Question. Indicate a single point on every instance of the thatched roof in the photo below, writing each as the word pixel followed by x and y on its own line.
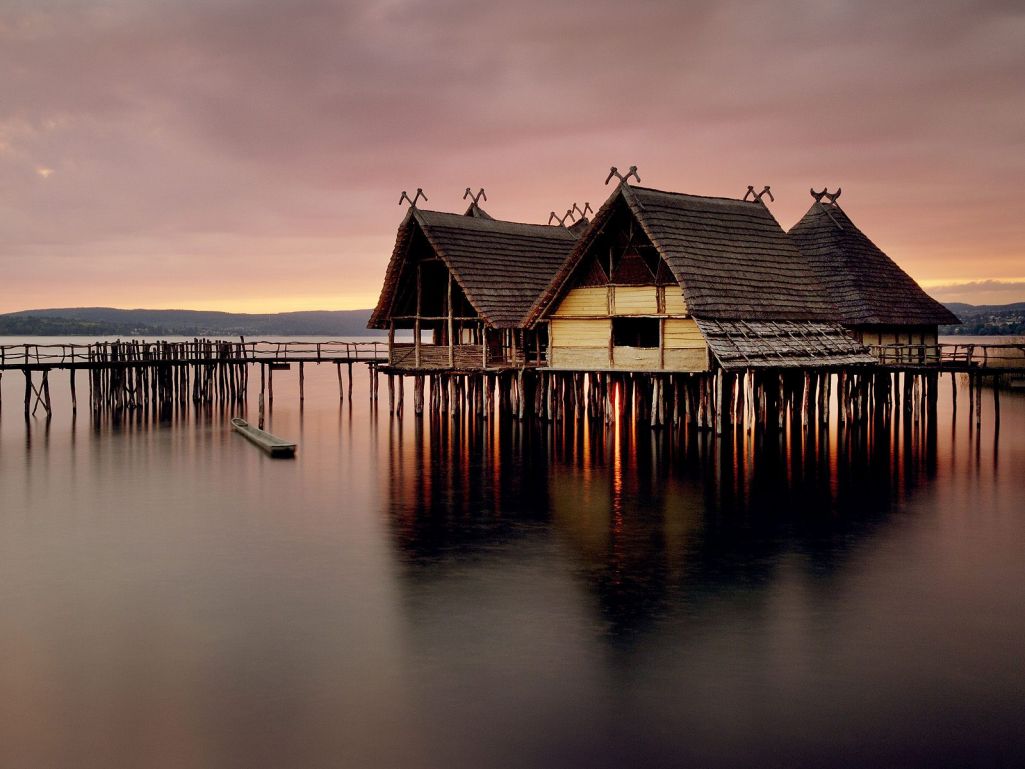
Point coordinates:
pixel 865 284
pixel 501 267
pixel 784 344
pixel 731 257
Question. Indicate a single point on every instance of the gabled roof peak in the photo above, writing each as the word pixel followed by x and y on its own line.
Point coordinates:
pixel 868 287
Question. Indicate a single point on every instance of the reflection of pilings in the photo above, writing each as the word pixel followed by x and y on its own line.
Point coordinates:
pixel 641 508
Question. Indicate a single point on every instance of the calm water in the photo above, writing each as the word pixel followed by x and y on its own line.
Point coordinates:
pixel 418 594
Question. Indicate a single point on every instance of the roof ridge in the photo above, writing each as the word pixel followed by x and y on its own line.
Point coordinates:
pixel 479 222
pixel 691 195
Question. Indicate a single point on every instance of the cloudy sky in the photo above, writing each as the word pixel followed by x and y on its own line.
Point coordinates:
pixel 249 154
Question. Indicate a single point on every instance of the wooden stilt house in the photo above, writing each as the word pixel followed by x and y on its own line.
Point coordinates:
pixel 876 300
pixel 463 284
pixel 668 282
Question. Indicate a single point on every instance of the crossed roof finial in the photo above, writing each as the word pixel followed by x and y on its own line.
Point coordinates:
pixel 475 198
pixel 412 201
pixel 756 197
pixel 623 178
pixel 560 219
pixel 582 211
pixel 829 197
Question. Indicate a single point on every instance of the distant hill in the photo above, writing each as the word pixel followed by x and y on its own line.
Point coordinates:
pixel 987 319
pixel 979 320
pixel 102 321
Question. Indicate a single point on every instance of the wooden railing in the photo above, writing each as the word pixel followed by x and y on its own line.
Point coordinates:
pixel 195 350
pixel 464 356
pixel 1002 356
pixel 959 356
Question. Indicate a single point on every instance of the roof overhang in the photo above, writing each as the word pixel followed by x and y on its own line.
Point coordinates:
pixel 738 345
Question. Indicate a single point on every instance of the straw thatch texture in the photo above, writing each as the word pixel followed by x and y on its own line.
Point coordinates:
pixel 501 267
pixel 783 344
pixel 867 286
pixel 731 257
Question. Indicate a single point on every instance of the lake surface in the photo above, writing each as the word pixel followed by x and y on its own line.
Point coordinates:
pixel 437 593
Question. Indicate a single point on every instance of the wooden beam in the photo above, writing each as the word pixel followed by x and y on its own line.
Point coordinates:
pixel 661 343
pixel 451 326
pixel 416 321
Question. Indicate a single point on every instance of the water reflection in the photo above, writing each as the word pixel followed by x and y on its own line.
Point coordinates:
pixel 649 519
pixel 459 593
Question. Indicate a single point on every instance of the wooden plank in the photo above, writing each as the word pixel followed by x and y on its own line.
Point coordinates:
pixel 683 333
pixel 636 300
pixel 675 304
pixel 583 301
pixel 636 358
pixel 580 333
pixel 578 358
pixel 688 360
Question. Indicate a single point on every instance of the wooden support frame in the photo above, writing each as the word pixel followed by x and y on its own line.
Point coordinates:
pixel 451 325
pixel 416 321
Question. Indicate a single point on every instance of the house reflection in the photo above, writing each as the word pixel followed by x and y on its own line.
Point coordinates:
pixel 648 523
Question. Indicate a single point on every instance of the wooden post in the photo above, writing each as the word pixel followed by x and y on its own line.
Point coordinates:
pixel 662 343
pixel 302 384
pixel 416 321
pixel 46 392
pixel 978 403
pixel 996 402
pixel 341 388
pixel 451 325
pixel 74 395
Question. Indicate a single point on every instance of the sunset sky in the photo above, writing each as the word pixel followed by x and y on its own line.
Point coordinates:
pixel 248 155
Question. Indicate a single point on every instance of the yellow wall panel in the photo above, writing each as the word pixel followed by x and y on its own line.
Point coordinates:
pixel 581 333
pixel 683 333
pixel 686 360
pixel 584 301
pixel 635 358
pixel 579 358
pixel 635 300
pixel 675 303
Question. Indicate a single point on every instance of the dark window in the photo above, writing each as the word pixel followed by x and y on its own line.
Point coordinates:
pixel 635 332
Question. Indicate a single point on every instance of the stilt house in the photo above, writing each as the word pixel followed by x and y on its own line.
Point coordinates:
pixel 464 285
pixel 876 300
pixel 663 281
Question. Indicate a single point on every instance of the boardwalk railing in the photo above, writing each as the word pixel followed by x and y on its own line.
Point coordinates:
pixel 962 357
pixel 70 355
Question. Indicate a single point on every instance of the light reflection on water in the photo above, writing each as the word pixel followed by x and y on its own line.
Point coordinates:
pixel 444 592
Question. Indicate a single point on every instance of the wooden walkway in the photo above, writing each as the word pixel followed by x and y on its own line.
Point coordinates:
pixel 1006 358
pixel 136 374
pixel 38 357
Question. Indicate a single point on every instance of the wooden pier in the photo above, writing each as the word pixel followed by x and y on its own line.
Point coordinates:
pixel 137 374
pixel 903 383
pixel 129 375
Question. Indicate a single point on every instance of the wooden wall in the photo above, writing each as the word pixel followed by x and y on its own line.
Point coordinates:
pixel 580 333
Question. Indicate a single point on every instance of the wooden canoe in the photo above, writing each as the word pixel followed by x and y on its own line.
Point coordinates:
pixel 272 444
